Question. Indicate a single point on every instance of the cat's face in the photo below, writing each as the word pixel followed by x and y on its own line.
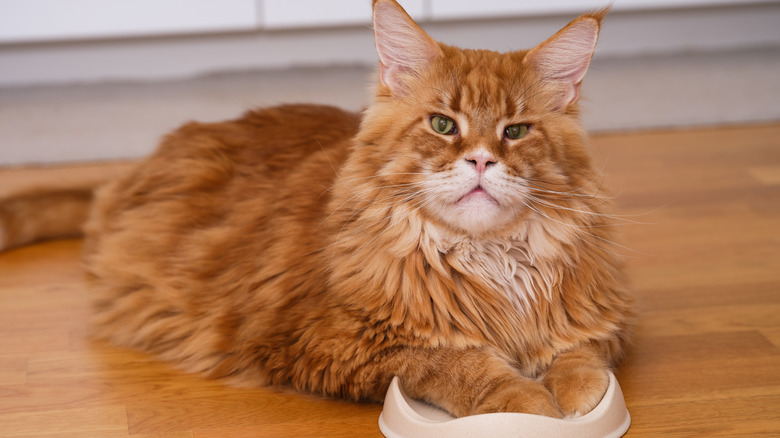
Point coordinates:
pixel 473 139
pixel 480 140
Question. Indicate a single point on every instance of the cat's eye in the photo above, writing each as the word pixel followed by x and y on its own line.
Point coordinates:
pixel 514 132
pixel 444 125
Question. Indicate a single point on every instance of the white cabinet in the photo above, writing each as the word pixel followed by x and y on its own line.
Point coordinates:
pixel 277 14
pixel 57 20
pixel 51 20
pixel 66 41
pixel 24 21
pixel 465 9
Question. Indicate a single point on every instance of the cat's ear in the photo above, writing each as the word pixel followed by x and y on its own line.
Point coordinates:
pixel 564 58
pixel 404 48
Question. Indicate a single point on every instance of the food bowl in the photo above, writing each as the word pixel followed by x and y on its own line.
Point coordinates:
pixel 404 417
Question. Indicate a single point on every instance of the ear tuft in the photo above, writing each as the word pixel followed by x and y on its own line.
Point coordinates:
pixel 565 57
pixel 404 49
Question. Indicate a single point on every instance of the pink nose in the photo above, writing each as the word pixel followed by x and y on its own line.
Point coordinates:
pixel 481 160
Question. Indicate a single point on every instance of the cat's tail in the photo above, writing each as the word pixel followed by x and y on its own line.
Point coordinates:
pixel 43 213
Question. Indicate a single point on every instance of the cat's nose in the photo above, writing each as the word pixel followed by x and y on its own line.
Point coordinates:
pixel 481 160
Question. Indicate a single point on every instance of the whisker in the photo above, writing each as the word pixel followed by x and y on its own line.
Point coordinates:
pixel 589 234
pixel 406 199
pixel 620 217
pixel 396 198
pixel 417 208
pixel 556 192
pixel 586 212
pixel 355 195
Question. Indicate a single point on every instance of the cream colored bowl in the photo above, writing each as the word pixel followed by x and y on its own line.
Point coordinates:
pixel 403 417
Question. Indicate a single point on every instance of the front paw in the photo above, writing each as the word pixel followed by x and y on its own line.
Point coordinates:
pixel 577 390
pixel 522 395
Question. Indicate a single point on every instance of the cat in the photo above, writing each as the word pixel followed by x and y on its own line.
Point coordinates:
pixel 454 234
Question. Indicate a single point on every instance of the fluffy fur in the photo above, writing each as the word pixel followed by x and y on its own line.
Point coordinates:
pixel 328 251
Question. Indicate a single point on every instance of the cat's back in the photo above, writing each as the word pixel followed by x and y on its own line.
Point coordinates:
pixel 265 148
pixel 217 184
pixel 270 139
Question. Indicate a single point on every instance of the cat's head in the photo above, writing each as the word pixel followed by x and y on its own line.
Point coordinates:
pixel 471 137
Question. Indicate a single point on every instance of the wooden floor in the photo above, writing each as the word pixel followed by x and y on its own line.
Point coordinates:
pixel 704 260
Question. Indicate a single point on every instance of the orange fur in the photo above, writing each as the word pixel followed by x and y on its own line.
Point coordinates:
pixel 307 246
pixel 42 213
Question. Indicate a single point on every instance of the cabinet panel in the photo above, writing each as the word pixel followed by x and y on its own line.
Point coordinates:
pixel 465 9
pixel 43 20
pixel 279 14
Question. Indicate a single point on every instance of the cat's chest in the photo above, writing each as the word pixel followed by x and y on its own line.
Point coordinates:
pixel 504 268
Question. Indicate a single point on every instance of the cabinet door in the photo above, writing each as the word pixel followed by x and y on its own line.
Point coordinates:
pixel 465 9
pixel 280 14
pixel 52 20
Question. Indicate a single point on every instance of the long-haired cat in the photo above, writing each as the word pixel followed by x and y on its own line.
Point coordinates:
pixel 454 235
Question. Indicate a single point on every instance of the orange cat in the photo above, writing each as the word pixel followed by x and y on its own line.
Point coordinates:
pixel 453 235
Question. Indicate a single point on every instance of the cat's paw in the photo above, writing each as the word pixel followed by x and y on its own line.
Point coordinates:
pixel 524 396
pixel 577 390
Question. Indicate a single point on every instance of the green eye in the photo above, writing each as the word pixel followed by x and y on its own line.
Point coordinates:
pixel 443 125
pixel 515 132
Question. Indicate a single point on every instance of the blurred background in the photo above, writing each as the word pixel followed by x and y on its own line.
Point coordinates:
pixel 96 80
